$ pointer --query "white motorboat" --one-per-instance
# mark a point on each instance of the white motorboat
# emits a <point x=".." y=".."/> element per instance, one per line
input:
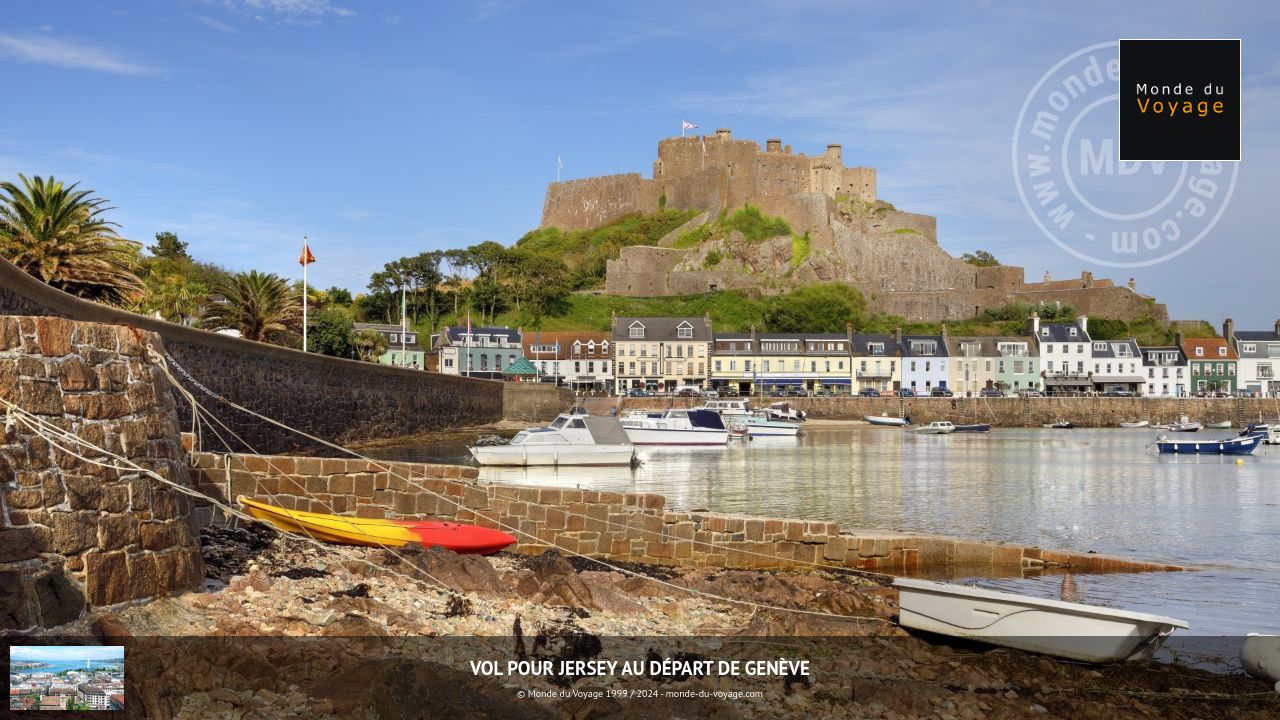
<point x="761" y="424"/>
<point x="886" y="420"/>
<point x="937" y="427"/>
<point x="675" y="427"/>
<point x="571" y="439"/>
<point x="1270" y="433"/>
<point x="1184" y="424"/>
<point x="728" y="408"/>
<point x="1219" y="425"/>
<point x="784" y="411"/>
<point x="1135" y="424"/>
<point x="1074" y="631"/>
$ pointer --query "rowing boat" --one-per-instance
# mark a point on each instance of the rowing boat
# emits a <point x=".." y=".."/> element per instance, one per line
<point x="380" y="532"/>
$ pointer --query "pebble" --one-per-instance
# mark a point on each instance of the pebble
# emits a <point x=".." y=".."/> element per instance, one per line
<point x="1039" y="709"/>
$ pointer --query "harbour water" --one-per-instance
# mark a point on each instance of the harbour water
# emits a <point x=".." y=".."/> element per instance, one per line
<point x="1088" y="490"/>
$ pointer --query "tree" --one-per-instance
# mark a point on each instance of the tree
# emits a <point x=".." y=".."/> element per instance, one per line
<point x="422" y="273"/>
<point x="488" y="297"/>
<point x="981" y="258"/>
<point x="825" y="307"/>
<point x="540" y="281"/>
<point x="58" y="234"/>
<point x="339" y="296"/>
<point x="484" y="258"/>
<point x="258" y="305"/>
<point x="169" y="247"/>
<point x="370" y="344"/>
<point x="331" y="332"/>
<point x="174" y="296"/>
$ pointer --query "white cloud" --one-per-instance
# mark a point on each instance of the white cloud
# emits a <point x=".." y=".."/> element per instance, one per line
<point x="45" y="50"/>
<point x="217" y="25"/>
<point x="293" y="11"/>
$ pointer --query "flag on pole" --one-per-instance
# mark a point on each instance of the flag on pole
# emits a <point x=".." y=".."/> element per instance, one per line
<point x="306" y="258"/>
<point x="468" y="324"/>
<point x="559" y="163"/>
<point x="686" y="125"/>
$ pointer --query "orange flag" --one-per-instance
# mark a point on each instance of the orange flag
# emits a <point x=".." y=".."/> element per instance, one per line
<point x="306" y="258"/>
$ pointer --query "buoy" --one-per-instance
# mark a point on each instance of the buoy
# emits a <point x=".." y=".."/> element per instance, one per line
<point x="1239" y="461"/>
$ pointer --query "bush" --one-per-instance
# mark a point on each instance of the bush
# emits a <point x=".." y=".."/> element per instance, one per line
<point x="756" y="226"/>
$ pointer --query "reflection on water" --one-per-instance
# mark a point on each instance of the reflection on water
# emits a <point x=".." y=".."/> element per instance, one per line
<point x="1099" y="490"/>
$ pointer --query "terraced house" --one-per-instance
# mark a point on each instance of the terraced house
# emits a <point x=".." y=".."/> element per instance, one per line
<point x="764" y="363"/>
<point x="1259" y="358"/>
<point x="1117" y="367"/>
<point x="876" y="362"/>
<point x="1167" y="371"/>
<point x="481" y="352"/>
<point x="1213" y="365"/>
<point x="1004" y="363"/>
<point x="924" y="362"/>
<point x="660" y="353"/>
<point x="581" y="360"/>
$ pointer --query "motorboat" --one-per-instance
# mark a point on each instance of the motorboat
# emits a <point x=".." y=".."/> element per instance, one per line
<point x="1239" y="445"/>
<point x="1184" y="424"/>
<point x="1219" y="425"/>
<point x="937" y="427"/>
<point x="973" y="428"/>
<point x="1135" y="424"/>
<point x="1059" y="425"/>
<point x="728" y="408"/>
<point x="675" y="427"/>
<point x="571" y="439"/>
<point x="1270" y="433"/>
<point x="784" y="411"/>
<point x="1073" y="631"/>
<point x="762" y="424"/>
<point x="380" y="532"/>
<point x="887" y="421"/>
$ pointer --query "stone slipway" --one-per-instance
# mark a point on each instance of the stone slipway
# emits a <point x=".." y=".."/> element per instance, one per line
<point x="632" y="527"/>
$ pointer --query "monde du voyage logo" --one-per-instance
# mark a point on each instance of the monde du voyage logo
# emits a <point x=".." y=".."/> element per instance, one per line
<point x="1123" y="152"/>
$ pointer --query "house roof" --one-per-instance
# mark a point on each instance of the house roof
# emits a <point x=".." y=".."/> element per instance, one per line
<point x="563" y="341"/>
<point x="909" y="351"/>
<point x="520" y="367"/>
<point x="390" y="330"/>
<point x="1061" y="332"/>
<point x="1258" y="338"/>
<point x="1148" y="349"/>
<point x="989" y="345"/>
<point x="1112" y="347"/>
<point x="860" y="341"/>
<point x="662" y="329"/>
<point x="458" y="333"/>
<point x="1210" y="346"/>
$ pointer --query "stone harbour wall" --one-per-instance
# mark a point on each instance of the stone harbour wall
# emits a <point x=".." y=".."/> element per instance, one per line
<point x="75" y="536"/>
<point x="617" y="526"/>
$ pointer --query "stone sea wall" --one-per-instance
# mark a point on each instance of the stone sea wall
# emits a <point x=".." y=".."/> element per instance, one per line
<point x="1013" y="412"/>
<point x="75" y="536"/>
<point x="616" y="526"/>
<point x="336" y="399"/>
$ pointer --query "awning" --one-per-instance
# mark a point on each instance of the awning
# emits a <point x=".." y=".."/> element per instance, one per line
<point x="837" y="381"/>
<point x="1118" y="379"/>
<point x="1068" y="381"/>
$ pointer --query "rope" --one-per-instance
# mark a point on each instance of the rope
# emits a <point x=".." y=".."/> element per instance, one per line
<point x="45" y="430"/>
<point x="391" y="470"/>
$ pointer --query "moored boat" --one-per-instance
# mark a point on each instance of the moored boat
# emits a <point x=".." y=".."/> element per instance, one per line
<point x="784" y="411"/>
<point x="1270" y="433"/>
<point x="380" y="532"/>
<point x="887" y="421"/>
<point x="937" y="427"/>
<point x="1074" y="631"/>
<point x="1219" y="425"/>
<point x="728" y="408"/>
<point x="1184" y="424"/>
<point x="1135" y="424"/>
<point x="973" y="428"/>
<point x="761" y="424"/>
<point x="1239" y="445"/>
<point x="1059" y="425"/>
<point x="571" y="439"/>
<point x="675" y="427"/>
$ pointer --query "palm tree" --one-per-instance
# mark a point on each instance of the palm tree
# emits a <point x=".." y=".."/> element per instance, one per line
<point x="454" y="284"/>
<point x="370" y="344"/>
<point x="256" y="304"/>
<point x="57" y="233"/>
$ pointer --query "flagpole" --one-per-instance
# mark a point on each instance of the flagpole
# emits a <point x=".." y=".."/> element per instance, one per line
<point x="404" y="358"/>
<point x="558" y="166"/>
<point x="304" y="293"/>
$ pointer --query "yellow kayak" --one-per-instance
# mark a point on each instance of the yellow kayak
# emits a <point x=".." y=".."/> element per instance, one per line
<point x="380" y="532"/>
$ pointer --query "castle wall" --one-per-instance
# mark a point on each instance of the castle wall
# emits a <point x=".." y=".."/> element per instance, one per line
<point x="1111" y="302"/>
<point x="592" y="202"/>
<point x="641" y="271"/>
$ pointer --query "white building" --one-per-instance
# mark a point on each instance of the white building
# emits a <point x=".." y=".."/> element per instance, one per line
<point x="1259" y="365"/>
<point x="1066" y="355"/>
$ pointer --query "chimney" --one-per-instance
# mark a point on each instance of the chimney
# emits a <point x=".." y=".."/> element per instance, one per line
<point x="1083" y="323"/>
<point x="1229" y="331"/>
<point x="1047" y="277"/>
<point x="773" y="145"/>
<point x="724" y="134"/>
<point x="833" y="152"/>
<point x="1086" y="278"/>
<point x="897" y="334"/>
<point x="943" y="330"/>
<point x="786" y="150"/>
<point x="1177" y="338"/>
<point x="1278" y="327"/>
<point x="848" y="333"/>
<point x="752" y="328"/>
<point x="1133" y="284"/>
<point x="1033" y="323"/>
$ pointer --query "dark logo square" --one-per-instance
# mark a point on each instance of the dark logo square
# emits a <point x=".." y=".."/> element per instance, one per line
<point x="1179" y="100"/>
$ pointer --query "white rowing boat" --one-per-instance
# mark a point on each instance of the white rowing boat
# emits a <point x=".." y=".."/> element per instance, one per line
<point x="886" y="420"/>
<point x="1087" y="633"/>
<point x="1135" y="424"/>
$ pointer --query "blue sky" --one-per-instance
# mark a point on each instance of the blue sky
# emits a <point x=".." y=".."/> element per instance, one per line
<point x="382" y="129"/>
<point x="65" y="653"/>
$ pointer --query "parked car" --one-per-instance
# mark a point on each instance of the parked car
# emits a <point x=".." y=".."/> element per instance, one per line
<point x="940" y="392"/>
<point x="638" y="392"/>
<point x="823" y="393"/>
<point x="795" y="392"/>
<point x="990" y="392"/>
<point x="688" y="391"/>
<point x="1030" y="393"/>
<point x="905" y="392"/>
<point x="1117" y="393"/>
<point x="869" y="392"/>
<point x="711" y="394"/>
<point x="729" y="392"/>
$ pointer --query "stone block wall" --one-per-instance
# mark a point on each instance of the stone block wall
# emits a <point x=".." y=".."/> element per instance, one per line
<point x="75" y="536"/>
<point x="340" y="400"/>
<point x="635" y="527"/>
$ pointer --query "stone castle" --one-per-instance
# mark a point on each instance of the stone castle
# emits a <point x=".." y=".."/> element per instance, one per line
<point x="849" y="235"/>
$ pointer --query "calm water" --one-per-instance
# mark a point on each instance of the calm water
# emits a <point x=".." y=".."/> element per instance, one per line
<point x="1099" y="490"/>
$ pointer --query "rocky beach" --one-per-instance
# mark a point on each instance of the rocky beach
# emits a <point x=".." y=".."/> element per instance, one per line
<point x="284" y="629"/>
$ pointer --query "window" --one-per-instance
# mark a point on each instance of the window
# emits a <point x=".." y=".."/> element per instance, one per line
<point x="411" y="339"/>
<point x="1099" y="347"/>
<point x="746" y="366"/>
<point x="999" y="366"/>
<point x="633" y="368"/>
<point x="577" y="367"/>
<point x="1195" y="367"/>
<point x="876" y="348"/>
<point x="1044" y="332"/>
<point x="733" y="365"/>
<point x="717" y="366"/>
<point x="1073" y="332"/>
<point x="766" y="366"/>
<point x="448" y="362"/>
<point x="1122" y="350"/>
<point x="1050" y="368"/>
<point x="1249" y="348"/>
<point x="1231" y="368"/>
<point x="637" y="330"/>
<point x="1264" y="371"/>
<point x="1273" y="350"/>
<point x="684" y="331"/>
<point x="913" y="368"/>
<point x="1048" y="348"/>
<point x="988" y="366"/>
<point x="971" y="348"/>
<point x="1199" y="352"/>
<point x="924" y="347"/>
<point x="395" y="337"/>
<point x="1222" y="352"/>
<point x="1017" y="366"/>
<point x="1080" y="349"/>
